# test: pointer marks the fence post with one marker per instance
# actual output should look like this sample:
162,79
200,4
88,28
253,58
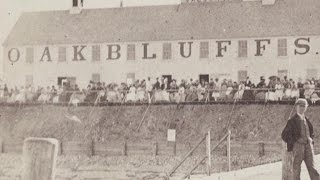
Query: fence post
1,146
208,153
229,150
287,163
155,149
92,148
60,148
39,158
261,149
124,148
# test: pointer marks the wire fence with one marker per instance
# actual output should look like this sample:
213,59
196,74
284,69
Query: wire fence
177,96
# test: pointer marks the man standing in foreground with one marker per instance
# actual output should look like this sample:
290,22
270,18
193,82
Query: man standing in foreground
298,134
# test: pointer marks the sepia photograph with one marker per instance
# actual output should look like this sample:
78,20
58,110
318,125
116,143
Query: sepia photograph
160,89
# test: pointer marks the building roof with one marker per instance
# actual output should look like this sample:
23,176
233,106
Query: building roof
212,20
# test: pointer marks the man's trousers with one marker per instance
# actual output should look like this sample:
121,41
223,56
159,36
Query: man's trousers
304,152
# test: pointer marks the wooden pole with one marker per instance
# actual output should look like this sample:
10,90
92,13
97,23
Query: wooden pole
155,149
124,148
229,150
287,163
208,153
261,149
143,117
1,146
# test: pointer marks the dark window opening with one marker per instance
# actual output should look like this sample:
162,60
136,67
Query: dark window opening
169,77
204,78
75,3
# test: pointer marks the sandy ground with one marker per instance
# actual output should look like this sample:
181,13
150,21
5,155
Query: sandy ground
263,172
118,167
10,169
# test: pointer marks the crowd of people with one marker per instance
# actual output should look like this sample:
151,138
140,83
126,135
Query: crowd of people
161,90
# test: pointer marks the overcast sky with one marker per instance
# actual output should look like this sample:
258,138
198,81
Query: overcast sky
10,10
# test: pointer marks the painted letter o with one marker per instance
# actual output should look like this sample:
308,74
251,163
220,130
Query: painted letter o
17,55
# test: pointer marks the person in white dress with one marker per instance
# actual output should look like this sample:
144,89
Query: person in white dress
238,95
131,96
21,96
295,91
308,89
149,87
279,91
216,89
141,92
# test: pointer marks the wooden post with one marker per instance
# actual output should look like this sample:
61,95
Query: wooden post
208,153
92,148
229,150
155,149
171,138
1,146
261,149
60,148
124,149
39,158
287,163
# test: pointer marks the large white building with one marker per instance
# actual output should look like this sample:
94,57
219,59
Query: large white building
230,39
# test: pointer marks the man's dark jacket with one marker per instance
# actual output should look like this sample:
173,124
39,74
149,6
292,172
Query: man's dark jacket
292,132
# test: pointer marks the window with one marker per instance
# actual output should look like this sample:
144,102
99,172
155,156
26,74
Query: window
96,53
169,78
61,80
312,73
243,49
131,78
167,51
131,52
29,80
242,76
75,3
29,55
62,54
282,47
96,77
282,73
204,78
204,49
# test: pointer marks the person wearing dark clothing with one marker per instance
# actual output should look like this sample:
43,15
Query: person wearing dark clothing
301,89
262,83
5,91
299,134
248,93
156,85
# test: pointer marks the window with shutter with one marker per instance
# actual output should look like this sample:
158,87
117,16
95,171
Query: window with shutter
282,47
96,53
243,49
62,54
29,55
131,52
167,51
204,49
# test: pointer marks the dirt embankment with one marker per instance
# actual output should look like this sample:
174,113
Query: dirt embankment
247,122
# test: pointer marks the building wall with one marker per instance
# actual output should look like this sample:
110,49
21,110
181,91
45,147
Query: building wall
46,73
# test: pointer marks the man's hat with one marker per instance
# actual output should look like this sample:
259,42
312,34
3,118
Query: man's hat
302,102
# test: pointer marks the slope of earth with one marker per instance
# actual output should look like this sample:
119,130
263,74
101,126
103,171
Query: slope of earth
247,122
